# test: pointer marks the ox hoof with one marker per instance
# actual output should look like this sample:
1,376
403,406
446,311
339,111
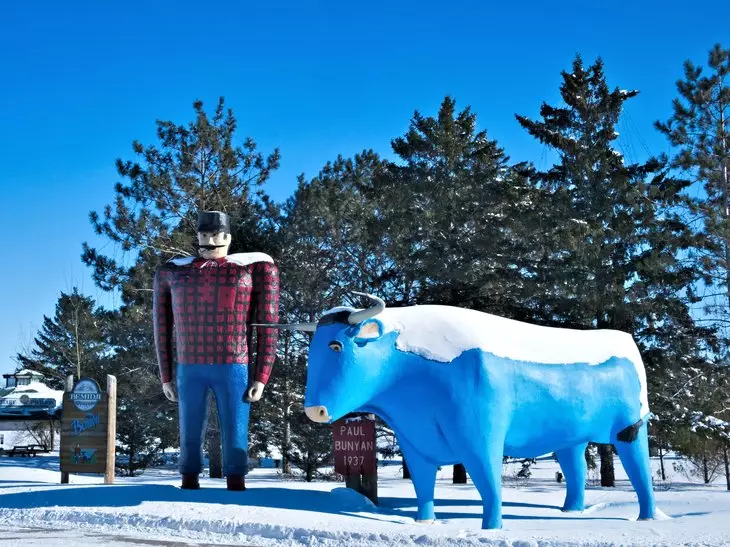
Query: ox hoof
646,518
564,510
427,521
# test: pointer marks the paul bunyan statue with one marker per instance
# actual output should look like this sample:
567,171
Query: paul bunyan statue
206,305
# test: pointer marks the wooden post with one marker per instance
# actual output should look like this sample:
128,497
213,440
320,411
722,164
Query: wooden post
370,480
111,431
354,482
370,487
69,388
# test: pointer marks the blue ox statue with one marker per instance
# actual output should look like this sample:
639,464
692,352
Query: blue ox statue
458,385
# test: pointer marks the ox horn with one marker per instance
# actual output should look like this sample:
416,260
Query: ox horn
360,316
306,327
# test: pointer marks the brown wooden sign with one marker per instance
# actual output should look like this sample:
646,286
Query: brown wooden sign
88,429
354,440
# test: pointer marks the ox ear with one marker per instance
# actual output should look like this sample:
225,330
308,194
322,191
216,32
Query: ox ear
370,330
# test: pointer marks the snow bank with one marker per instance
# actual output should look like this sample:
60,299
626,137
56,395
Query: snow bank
279,513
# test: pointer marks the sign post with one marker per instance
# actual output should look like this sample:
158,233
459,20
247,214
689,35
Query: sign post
88,429
355,455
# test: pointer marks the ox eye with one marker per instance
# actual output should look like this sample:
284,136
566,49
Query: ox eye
336,346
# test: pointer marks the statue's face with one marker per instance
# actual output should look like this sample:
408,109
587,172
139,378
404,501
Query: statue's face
213,244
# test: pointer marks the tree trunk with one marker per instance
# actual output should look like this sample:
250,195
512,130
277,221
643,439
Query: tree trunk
727,466
130,465
705,470
608,478
310,467
213,440
406,471
459,474
286,453
661,461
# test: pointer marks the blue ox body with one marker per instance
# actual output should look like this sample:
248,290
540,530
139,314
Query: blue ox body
460,386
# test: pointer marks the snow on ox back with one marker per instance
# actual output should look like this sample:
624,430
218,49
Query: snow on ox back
442,333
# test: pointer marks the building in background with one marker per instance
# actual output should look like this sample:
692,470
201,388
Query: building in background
30,411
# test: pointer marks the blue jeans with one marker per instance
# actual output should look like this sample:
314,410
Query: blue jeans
228,383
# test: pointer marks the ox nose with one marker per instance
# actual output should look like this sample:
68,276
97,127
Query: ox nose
317,414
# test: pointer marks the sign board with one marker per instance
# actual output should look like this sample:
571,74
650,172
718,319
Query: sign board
84,429
354,440
25,401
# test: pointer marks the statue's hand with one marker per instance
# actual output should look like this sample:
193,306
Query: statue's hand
255,392
169,390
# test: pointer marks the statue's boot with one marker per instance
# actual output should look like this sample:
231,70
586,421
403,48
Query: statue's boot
190,481
236,483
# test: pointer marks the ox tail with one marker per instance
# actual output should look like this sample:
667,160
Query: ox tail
630,434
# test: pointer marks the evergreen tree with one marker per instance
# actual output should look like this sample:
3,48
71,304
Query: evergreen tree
612,256
327,251
699,130
70,342
449,214
196,166
146,421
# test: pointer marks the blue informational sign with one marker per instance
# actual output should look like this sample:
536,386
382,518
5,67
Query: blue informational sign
86,394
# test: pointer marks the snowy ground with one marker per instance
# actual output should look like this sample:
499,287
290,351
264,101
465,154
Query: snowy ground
151,510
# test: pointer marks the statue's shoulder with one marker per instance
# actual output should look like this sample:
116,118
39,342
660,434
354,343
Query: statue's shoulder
246,259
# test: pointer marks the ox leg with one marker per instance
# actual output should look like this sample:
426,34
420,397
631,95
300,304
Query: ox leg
634,457
573,463
423,475
477,438
485,471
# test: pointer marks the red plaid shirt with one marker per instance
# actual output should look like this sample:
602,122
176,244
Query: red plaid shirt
210,303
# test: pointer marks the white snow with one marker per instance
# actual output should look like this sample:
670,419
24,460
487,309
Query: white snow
277,513
442,333
242,259
184,261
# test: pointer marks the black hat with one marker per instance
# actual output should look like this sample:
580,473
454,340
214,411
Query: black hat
213,221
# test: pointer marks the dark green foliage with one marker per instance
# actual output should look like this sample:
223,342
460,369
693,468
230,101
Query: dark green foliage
146,420
696,403
154,215
327,250
72,342
699,131
615,261
449,215
312,444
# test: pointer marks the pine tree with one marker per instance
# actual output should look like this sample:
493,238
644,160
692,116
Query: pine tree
194,167
146,420
612,255
327,250
312,446
449,213
699,130
70,342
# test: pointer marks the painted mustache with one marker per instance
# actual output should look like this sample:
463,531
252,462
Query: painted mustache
209,247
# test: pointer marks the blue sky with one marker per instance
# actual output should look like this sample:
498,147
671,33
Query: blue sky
80,80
